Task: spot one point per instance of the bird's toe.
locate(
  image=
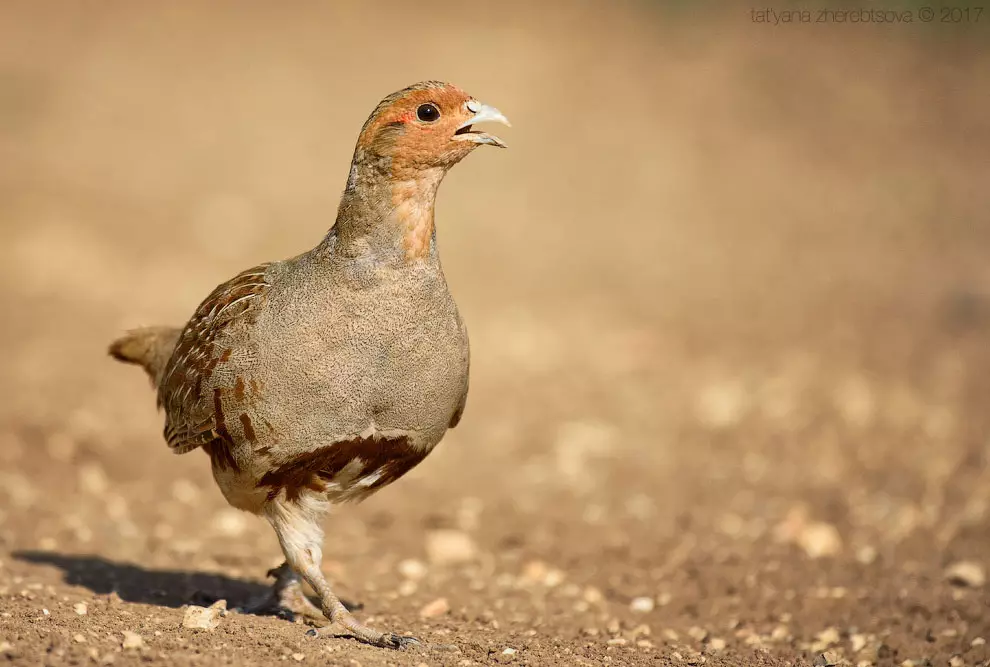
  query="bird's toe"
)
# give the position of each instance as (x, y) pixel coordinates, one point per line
(398, 642)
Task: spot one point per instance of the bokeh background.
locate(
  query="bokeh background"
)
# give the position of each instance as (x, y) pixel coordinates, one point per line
(728, 293)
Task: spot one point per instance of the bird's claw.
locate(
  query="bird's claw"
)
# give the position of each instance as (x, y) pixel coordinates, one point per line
(397, 642)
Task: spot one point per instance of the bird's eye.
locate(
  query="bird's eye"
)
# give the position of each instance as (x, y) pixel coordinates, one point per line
(427, 113)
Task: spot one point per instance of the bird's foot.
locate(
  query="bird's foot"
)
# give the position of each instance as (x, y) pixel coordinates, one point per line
(398, 642)
(286, 597)
(357, 630)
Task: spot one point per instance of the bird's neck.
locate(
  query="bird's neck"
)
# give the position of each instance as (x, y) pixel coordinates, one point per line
(386, 215)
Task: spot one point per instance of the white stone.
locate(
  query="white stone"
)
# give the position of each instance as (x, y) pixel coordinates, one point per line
(450, 547)
(410, 568)
(132, 640)
(204, 618)
(966, 573)
(642, 605)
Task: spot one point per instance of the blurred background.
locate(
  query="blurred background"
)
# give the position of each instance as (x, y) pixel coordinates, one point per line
(728, 294)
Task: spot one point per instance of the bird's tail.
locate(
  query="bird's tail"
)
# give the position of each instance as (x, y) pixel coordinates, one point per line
(148, 347)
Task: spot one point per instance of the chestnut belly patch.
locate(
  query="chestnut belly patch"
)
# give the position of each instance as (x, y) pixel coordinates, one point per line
(349, 469)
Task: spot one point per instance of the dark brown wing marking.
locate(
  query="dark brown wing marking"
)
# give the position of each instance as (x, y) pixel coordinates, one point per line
(191, 419)
(387, 459)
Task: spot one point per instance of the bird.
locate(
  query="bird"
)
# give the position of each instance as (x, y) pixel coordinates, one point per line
(323, 378)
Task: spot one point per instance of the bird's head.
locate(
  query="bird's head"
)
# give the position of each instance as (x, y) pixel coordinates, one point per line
(405, 148)
(429, 125)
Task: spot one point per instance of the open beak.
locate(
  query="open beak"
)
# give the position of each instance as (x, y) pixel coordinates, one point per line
(482, 113)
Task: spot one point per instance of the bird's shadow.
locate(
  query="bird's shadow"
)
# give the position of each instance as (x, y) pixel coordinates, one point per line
(165, 588)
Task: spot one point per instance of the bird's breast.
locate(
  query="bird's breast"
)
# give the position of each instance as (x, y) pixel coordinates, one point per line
(394, 356)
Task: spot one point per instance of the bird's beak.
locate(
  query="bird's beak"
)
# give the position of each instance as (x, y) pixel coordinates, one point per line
(482, 113)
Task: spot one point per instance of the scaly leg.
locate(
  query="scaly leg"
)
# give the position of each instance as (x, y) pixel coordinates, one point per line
(287, 594)
(297, 525)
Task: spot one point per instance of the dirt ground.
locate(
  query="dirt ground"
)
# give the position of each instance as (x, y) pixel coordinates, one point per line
(729, 301)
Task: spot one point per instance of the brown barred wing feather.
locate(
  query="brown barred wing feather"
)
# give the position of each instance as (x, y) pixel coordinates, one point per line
(203, 347)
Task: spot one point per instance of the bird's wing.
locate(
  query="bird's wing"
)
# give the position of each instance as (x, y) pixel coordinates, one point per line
(203, 348)
(466, 348)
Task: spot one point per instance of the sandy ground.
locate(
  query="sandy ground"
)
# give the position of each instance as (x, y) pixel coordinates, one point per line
(729, 300)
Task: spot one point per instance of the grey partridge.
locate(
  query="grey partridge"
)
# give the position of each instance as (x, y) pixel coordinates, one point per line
(325, 377)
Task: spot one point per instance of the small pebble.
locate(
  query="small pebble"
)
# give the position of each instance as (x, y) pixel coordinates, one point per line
(132, 640)
(298, 657)
(866, 555)
(538, 572)
(78, 638)
(820, 540)
(828, 636)
(204, 618)
(641, 629)
(438, 607)
(81, 608)
(956, 661)
(979, 641)
(642, 605)
(966, 573)
(592, 595)
(826, 659)
(554, 578)
(92, 479)
(717, 644)
(534, 571)
(509, 651)
(410, 568)
(450, 547)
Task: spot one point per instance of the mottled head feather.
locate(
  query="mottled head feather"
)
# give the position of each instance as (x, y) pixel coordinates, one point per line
(394, 132)
(389, 100)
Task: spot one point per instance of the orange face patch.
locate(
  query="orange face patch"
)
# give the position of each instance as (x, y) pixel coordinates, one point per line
(404, 128)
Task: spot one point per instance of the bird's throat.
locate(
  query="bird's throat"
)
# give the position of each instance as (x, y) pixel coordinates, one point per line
(388, 217)
(412, 215)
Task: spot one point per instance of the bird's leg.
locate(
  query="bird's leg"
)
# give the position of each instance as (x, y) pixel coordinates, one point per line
(297, 525)
(287, 594)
